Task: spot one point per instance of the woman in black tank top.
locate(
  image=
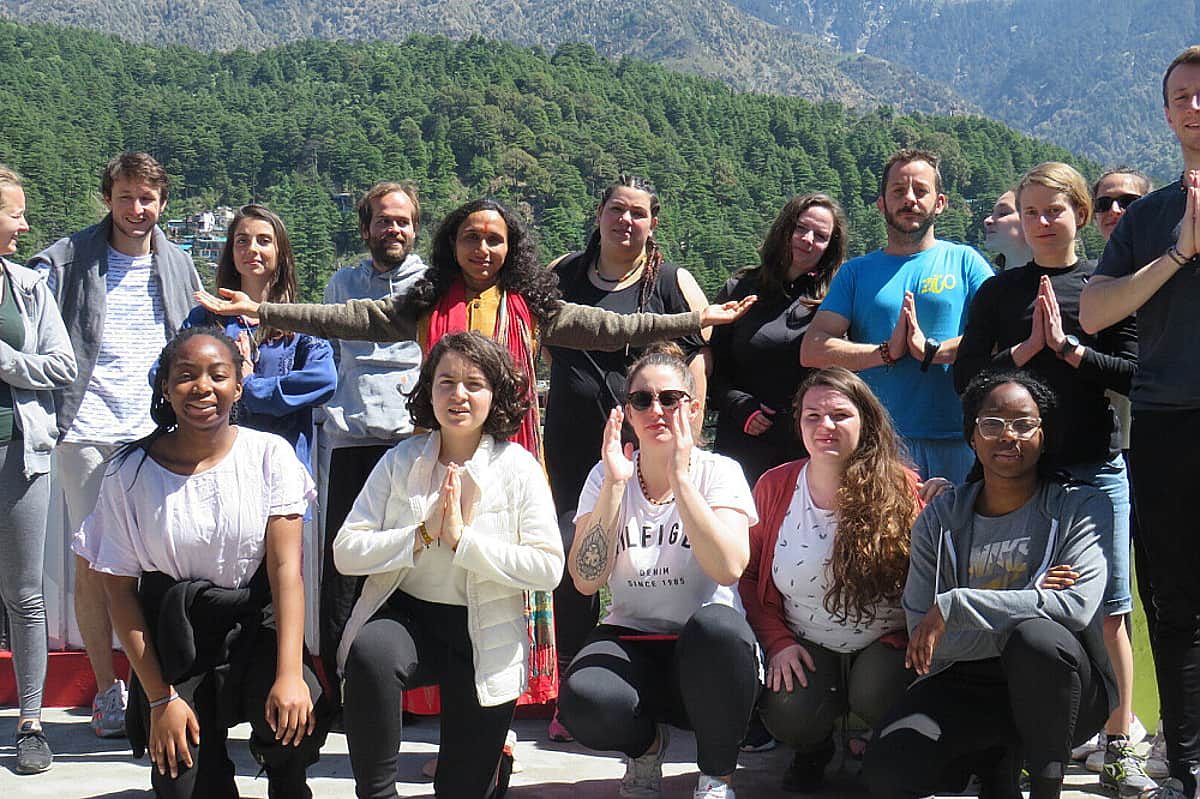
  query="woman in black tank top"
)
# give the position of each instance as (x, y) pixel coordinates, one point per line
(621, 270)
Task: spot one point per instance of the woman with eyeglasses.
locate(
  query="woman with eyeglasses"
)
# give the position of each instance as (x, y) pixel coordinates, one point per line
(1028, 318)
(665, 528)
(1006, 577)
(756, 360)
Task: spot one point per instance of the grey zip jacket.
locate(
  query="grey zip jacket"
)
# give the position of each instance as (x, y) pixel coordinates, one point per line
(1064, 528)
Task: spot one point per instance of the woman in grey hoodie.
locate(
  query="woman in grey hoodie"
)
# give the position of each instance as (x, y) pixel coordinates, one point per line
(1005, 578)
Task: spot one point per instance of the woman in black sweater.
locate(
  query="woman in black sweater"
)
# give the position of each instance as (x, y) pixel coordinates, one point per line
(1028, 317)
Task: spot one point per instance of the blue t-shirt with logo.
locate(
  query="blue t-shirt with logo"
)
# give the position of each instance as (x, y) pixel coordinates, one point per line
(869, 290)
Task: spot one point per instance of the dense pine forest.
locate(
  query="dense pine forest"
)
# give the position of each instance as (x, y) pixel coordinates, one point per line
(303, 125)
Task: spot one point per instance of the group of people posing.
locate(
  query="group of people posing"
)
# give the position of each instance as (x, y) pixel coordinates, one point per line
(937, 539)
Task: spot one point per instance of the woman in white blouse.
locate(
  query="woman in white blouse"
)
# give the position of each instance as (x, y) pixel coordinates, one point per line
(828, 560)
(197, 532)
(451, 529)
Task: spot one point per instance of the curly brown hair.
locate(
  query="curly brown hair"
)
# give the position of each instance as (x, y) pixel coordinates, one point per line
(876, 506)
(510, 385)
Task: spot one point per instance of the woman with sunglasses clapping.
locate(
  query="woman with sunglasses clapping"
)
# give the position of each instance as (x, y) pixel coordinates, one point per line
(666, 529)
(1028, 318)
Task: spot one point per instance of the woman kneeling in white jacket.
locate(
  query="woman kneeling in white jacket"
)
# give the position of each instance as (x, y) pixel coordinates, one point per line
(451, 529)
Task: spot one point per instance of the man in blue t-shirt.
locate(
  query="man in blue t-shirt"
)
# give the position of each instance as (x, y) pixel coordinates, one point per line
(897, 315)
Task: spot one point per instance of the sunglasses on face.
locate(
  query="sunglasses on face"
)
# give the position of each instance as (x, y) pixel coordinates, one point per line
(992, 427)
(642, 400)
(1104, 204)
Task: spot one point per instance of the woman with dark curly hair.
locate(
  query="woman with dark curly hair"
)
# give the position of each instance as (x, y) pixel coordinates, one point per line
(451, 528)
(1005, 584)
(756, 360)
(828, 560)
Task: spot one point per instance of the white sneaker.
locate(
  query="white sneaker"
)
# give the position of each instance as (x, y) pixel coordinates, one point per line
(643, 775)
(1094, 744)
(1137, 734)
(713, 788)
(1137, 731)
(1156, 758)
(108, 711)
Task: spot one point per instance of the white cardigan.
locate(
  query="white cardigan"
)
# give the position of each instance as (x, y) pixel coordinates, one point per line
(511, 546)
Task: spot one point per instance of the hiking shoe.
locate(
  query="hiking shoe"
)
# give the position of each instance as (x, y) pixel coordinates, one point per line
(807, 772)
(33, 752)
(757, 738)
(643, 775)
(712, 788)
(1094, 744)
(1156, 758)
(1123, 771)
(108, 711)
(1169, 788)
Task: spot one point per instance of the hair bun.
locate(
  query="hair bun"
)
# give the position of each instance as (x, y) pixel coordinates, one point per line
(668, 348)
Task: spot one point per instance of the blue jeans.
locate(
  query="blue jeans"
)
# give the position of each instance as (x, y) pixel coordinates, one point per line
(941, 457)
(1109, 476)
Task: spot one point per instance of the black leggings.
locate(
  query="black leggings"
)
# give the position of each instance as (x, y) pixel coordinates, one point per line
(1042, 696)
(407, 644)
(349, 468)
(1164, 456)
(617, 690)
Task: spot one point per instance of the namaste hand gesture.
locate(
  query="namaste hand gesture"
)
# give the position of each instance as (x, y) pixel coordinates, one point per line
(1189, 227)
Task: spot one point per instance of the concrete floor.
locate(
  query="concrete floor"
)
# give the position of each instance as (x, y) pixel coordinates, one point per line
(85, 766)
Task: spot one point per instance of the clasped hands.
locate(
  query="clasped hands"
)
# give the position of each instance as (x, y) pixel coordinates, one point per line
(907, 337)
(445, 519)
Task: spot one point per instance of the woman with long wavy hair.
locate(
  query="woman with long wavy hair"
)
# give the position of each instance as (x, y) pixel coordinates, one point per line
(828, 560)
(756, 359)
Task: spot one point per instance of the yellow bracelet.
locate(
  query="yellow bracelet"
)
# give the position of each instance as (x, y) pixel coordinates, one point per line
(426, 538)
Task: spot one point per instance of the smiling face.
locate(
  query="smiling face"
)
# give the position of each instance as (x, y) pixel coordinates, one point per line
(653, 425)
(135, 205)
(810, 240)
(202, 383)
(255, 252)
(1115, 185)
(1049, 221)
(461, 395)
(910, 201)
(830, 425)
(12, 218)
(1183, 106)
(626, 220)
(393, 230)
(480, 247)
(1008, 457)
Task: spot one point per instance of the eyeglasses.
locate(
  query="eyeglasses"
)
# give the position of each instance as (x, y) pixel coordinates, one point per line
(992, 427)
(1104, 204)
(642, 400)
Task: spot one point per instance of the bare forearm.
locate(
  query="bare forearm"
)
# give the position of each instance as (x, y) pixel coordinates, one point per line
(1106, 301)
(820, 350)
(721, 550)
(287, 593)
(594, 550)
(130, 625)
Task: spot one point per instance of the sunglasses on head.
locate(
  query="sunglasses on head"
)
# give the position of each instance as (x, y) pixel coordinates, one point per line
(1104, 204)
(642, 400)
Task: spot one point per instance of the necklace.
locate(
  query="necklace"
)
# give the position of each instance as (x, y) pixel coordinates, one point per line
(646, 491)
(641, 260)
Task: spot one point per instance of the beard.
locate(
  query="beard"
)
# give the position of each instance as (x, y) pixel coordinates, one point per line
(388, 251)
(913, 234)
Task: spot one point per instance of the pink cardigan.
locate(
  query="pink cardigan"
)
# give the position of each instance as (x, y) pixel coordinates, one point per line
(760, 597)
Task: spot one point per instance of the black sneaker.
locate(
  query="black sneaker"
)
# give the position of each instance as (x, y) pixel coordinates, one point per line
(33, 752)
(807, 772)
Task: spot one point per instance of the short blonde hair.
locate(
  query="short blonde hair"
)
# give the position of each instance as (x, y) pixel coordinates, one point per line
(9, 178)
(1064, 178)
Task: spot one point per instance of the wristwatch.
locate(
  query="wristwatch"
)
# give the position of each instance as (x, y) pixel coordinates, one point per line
(1069, 346)
(931, 349)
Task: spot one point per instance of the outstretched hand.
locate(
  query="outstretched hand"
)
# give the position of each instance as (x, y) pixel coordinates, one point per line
(236, 303)
(726, 312)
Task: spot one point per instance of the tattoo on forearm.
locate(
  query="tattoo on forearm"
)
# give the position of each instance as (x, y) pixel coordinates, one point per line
(592, 559)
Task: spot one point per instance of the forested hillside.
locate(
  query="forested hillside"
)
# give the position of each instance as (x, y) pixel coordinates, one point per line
(298, 125)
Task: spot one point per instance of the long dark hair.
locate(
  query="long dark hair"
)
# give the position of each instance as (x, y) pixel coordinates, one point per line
(654, 256)
(283, 287)
(161, 411)
(775, 254)
(519, 274)
(1043, 396)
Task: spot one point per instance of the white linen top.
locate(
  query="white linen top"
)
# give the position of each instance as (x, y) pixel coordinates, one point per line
(210, 525)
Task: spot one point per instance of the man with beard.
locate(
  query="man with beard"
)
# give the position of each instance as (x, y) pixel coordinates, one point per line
(368, 414)
(124, 290)
(897, 315)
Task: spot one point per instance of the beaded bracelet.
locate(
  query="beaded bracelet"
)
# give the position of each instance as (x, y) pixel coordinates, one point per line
(885, 355)
(426, 538)
(168, 698)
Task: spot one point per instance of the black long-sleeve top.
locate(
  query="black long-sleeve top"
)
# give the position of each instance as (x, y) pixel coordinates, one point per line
(1001, 316)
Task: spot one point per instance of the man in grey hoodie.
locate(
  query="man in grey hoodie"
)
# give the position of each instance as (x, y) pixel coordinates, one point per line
(124, 290)
(1005, 579)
